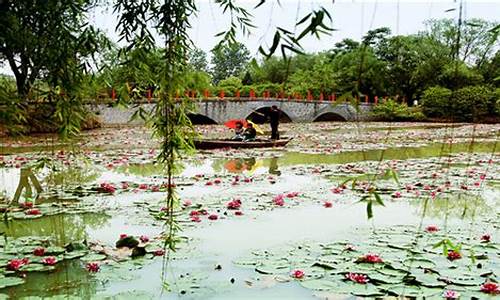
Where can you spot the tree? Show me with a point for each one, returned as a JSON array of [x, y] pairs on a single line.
[[413, 63], [477, 40], [198, 59], [48, 40], [247, 79], [491, 70], [228, 60]]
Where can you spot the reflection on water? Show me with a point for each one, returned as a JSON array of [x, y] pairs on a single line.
[[63, 228], [72, 175], [402, 153], [240, 165], [273, 166], [68, 279], [223, 241], [462, 205]]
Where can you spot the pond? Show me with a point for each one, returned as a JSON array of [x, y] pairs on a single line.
[[346, 210]]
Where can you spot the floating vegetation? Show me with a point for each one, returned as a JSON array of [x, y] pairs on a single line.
[[395, 261]]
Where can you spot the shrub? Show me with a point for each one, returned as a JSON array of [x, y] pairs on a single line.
[[495, 102], [390, 110], [436, 101], [471, 103], [229, 85]]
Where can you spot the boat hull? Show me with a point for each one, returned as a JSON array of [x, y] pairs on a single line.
[[219, 144]]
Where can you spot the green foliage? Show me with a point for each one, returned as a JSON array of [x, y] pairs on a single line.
[[50, 41], [471, 103], [198, 60], [477, 40], [436, 102], [228, 60], [496, 102], [390, 110], [458, 74], [197, 81], [12, 115]]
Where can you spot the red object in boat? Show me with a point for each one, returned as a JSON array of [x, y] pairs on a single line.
[[232, 123]]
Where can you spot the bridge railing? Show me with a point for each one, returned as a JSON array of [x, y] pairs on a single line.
[[266, 96]]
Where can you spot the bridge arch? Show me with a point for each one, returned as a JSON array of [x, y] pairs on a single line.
[[200, 119], [255, 116], [329, 117]]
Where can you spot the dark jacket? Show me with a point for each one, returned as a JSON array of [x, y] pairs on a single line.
[[274, 117], [250, 133]]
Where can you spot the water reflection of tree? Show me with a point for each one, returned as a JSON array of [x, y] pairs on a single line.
[[69, 279], [458, 206], [63, 228], [148, 169], [72, 175]]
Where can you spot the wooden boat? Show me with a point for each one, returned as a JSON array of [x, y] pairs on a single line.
[[217, 144]]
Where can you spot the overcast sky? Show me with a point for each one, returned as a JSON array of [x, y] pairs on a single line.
[[351, 18]]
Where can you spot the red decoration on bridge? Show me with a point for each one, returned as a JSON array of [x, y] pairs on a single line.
[[309, 95]]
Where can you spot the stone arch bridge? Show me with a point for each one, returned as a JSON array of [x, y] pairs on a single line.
[[218, 111]]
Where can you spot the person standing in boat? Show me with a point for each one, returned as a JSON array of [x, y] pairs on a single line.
[[274, 118], [250, 133]]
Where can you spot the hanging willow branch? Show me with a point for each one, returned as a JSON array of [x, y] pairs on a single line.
[[170, 19]]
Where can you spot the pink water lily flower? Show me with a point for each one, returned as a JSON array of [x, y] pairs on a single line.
[[238, 213], [187, 203], [299, 274], [27, 204], [123, 235], [15, 264], [454, 255], [49, 261], [159, 252], [450, 295], [33, 212], [144, 238], [370, 258], [490, 288], [108, 187], [93, 267], [279, 200], [431, 228], [213, 217], [39, 251], [195, 219], [234, 204], [396, 195], [336, 190], [486, 238], [358, 278], [327, 204]]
